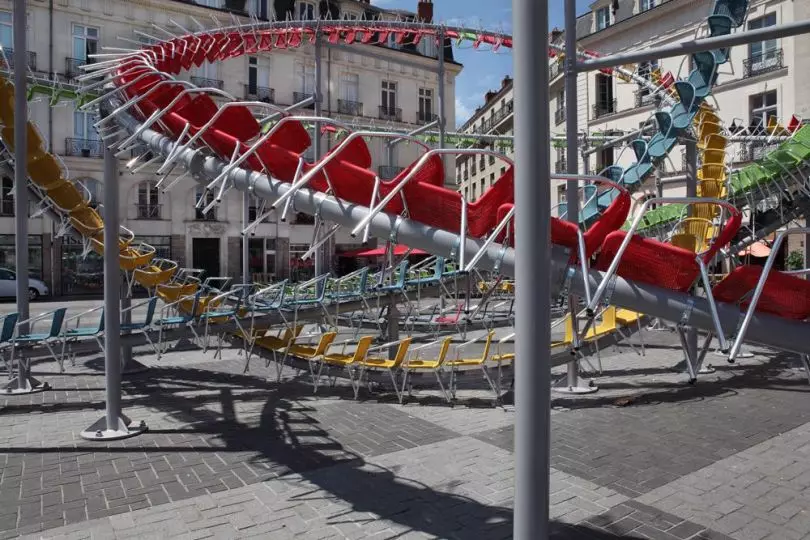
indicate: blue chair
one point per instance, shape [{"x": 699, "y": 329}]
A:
[
  {"x": 665, "y": 140},
  {"x": 720, "y": 25},
  {"x": 73, "y": 335},
  {"x": 640, "y": 150},
  {"x": 7, "y": 333},
  {"x": 308, "y": 294},
  {"x": 614, "y": 173},
  {"x": 702, "y": 77},
  {"x": 223, "y": 306},
  {"x": 635, "y": 174},
  {"x": 143, "y": 326},
  {"x": 181, "y": 319},
  {"x": 57, "y": 317},
  {"x": 735, "y": 10},
  {"x": 684, "y": 112}
]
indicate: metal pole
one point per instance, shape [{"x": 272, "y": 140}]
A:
[
  {"x": 572, "y": 384},
  {"x": 532, "y": 321},
  {"x": 319, "y": 255},
  {"x": 691, "y": 191},
  {"x": 440, "y": 73},
  {"x": 697, "y": 45},
  {"x": 114, "y": 425},
  {"x": 245, "y": 238}
]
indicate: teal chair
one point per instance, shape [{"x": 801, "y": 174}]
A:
[
  {"x": 46, "y": 339},
  {"x": 7, "y": 333},
  {"x": 74, "y": 335}
]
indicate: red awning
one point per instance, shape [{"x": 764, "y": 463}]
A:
[{"x": 399, "y": 250}]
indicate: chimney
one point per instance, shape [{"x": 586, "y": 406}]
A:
[
  {"x": 505, "y": 82},
  {"x": 489, "y": 95},
  {"x": 424, "y": 11}
]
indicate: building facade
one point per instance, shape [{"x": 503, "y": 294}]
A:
[{"x": 389, "y": 85}]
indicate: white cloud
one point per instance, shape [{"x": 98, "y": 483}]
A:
[{"x": 463, "y": 112}]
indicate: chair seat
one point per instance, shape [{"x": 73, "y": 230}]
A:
[
  {"x": 784, "y": 295},
  {"x": 650, "y": 261},
  {"x": 302, "y": 351},
  {"x": 172, "y": 320},
  {"x": 216, "y": 314},
  {"x": 132, "y": 326},
  {"x": 465, "y": 362},
  {"x": 339, "y": 359},
  {"x": 504, "y": 357},
  {"x": 82, "y": 332},
  {"x": 375, "y": 362},
  {"x": 272, "y": 343},
  {"x": 625, "y": 316},
  {"x": 422, "y": 364},
  {"x": 31, "y": 337}
]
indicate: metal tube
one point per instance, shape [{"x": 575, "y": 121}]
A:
[
  {"x": 691, "y": 191},
  {"x": 245, "y": 238},
  {"x": 319, "y": 255},
  {"x": 440, "y": 73},
  {"x": 21, "y": 169},
  {"x": 112, "y": 293},
  {"x": 532, "y": 323},
  {"x": 697, "y": 45}
]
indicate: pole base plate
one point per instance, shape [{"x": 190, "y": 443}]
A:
[
  {"x": 29, "y": 385},
  {"x": 575, "y": 390},
  {"x": 126, "y": 429},
  {"x": 706, "y": 370},
  {"x": 741, "y": 354}
]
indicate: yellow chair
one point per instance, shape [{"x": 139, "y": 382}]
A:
[
  {"x": 275, "y": 344},
  {"x": 713, "y": 189},
  {"x": 625, "y": 318},
  {"x": 66, "y": 196},
  {"x": 6, "y": 102},
  {"x": 713, "y": 142},
  {"x": 154, "y": 275},
  {"x": 712, "y": 171},
  {"x": 86, "y": 221},
  {"x": 349, "y": 362},
  {"x": 479, "y": 361},
  {"x": 307, "y": 352},
  {"x": 693, "y": 234},
  {"x": 774, "y": 127},
  {"x": 714, "y": 157},
  {"x": 46, "y": 172},
  {"x": 391, "y": 365},
  {"x": 706, "y": 211},
  {"x": 172, "y": 292},
  {"x": 415, "y": 365},
  {"x": 133, "y": 258}
]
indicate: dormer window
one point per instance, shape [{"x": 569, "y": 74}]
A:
[
  {"x": 602, "y": 18},
  {"x": 644, "y": 5}
]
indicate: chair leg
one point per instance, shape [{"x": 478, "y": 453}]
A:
[
  {"x": 447, "y": 396},
  {"x": 806, "y": 364},
  {"x": 393, "y": 376},
  {"x": 641, "y": 338}
]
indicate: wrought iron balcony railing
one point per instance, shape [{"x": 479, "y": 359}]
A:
[
  {"x": 763, "y": 63},
  {"x": 301, "y": 96},
  {"x": 555, "y": 69},
  {"x": 425, "y": 117},
  {"x": 391, "y": 113},
  {"x": 148, "y": 211},
  {"x": 604, "y": 109},
  {"x": 90, "y": 148},
  {"x": 73, "y": 67},
  {"x": 204, "y": 82},
  {"x": 643, "y": 98},
  {"x": 9, "y": 63},
  {"x": 210, "y": 216},
  {"x": 352, "y": 108},
  {"x": 559, "y": 116},
  {"x": 260, "y": 93},
  {"x": 387, "y": 172}
]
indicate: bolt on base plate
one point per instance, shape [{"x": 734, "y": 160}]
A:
[{"x": 126, "y": 429}]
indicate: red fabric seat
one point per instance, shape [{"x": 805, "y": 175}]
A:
[
  {"x": 784, "y": 295},
  {"x": 664, "y": 265},
  {"x": 237, "y": 121}
]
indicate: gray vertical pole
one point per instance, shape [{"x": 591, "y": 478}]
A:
[
  {"x": 319, "y": 255},
  {"x": 441, "y": 73},
  {"x": 20, "y": 160},
  {"x": 245, "y": 238},
  {"x": 691, "y": 191},
  {"x": 572, "y": 382},
  {"x": 114, "y": 425},
  {"x": 532, "y": 323}
]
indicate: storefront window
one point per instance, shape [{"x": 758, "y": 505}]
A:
[
  {"x": 81, "y": 275},
  {"x": 162, "y": 245},
  {"x": 7, "y": 251},
  {"x": 262, "y": 259},
  {"x": 301, "y": 270}
]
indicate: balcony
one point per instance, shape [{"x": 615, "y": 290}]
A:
[
  {"x": 425, "y": 117},
  {"x": 9, "y": 63},
  {"x": 606, "y": 108},
  {"x": 391, "y": 113},
  {"x": 298, "y": 97},
  {"x": 644, "y": 98},
  {"x": 559, "y": 167},
  {"x": 73, "y": 67},
  {"x": 210, "y": 216},
  {"x": 351, "y": 108},
  {"x": 260, "y": 93},
  {"x": 148, "y": 211},
  {"x": 387, "y": 172},
  {"x": 754, "y": 151},
  {"x": 555, "y": 69},
  {"x": 559, "y": 116},
  {"x": 763, "y": 63},
  {"x": 89, "y": 148},
  {"x": 7, "y": 206},
  {"x": 203, "y": 82}
]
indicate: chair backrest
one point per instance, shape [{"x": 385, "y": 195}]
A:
[
  {"x": 362, "y": 348},
  {"x": 438, "y": 270},
  {"x": 686, "y": 241},
  {"x": 609, "y": 317},
  {"x": 402, "y": 351},
  {"x": 150, "y": 311},
  {"x": 487, "y": 346},
  {"x": 324, "y": 342},
  {"x": 56, "y": 322},
  {"x": 403, "y": 273},
  {"x": 444, "y": 349},
  {"x": 664, "y": 120},
  {"x": 101, "y": 322},
  {"x": 9, "y": 323}
]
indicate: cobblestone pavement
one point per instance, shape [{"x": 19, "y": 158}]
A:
[{"x": 233, "y": 455}]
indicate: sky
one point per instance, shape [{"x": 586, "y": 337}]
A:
[{"x": 483, "y": 70}]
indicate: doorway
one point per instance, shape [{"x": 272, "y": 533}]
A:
[{"x": 205, "y": 256}]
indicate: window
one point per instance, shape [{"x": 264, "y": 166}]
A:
[
  {"x": 644, "y": 5},
  {"x": 94, "y": 188},
  {"x": 482, "y": 162},
  {"x": 763, "y": 108},
  {"x": 300, "y": 269},
  {"x": 85, "y": 42},
  {"x": 262, "y": 259},
  {"x": 604, "y": 95},
  {"x": 605, "y": 158},
  {"x": 305, "y": 78},
  {"x": 7, "y": 254},
  {"x": 162, "y": 245},
  {"x": 426, "y": 104},
  {"x": 207, "y": 70},
  {"x": 306, "y": 11},
  {"x": 83, "y": 126},
  {"x": 148, "y": 200},
  {"x": 427, "y": 47},
  {"x": 258, "y": 8},
  {"x": 6, "y": 30},
  {"x": 491, "y": 178},
  {"x": 561, "y": 100},
  {"x": 602, "y": 18},
  {"x": 503, "y": 171},
  {"x": 199, "y": 193},
  {"x": 645, "y": 69},
  {"x": 350, "y": 87},
  {"x": 388, "y": 97},
  {"x": 762, "y": 54},
  {"x": 6, "y": 196}
]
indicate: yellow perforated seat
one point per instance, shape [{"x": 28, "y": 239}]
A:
[
  {"x": 46, "y": 172},
  {"x": 66, "y": 196},
  {"x": 86, "y": 221}
]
